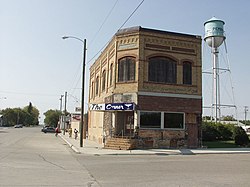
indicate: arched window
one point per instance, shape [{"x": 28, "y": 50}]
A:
[
  {"x": 97, "y": 86},
  {"x": 187, "y": 73},
  {"x": 103, "y": 80},
  {"x": 92, "y": 90},
  {"x": 162, "y": 70},
  {"x": 111, "y": 75},
  {"x": 126, "y": 69}
]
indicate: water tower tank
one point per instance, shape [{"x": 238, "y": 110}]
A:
[{"x": 214, "y": 32}]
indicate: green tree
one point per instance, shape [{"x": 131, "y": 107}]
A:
[
  {"x": 12, "y": 116},
  {"x": 27, "y": 116},
  {"x": 228, "y": 118},
  {"x": 52, "y": 117},
  {"x": 32, "y": 115}
]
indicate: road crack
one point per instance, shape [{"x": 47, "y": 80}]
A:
[{"x": 50, "y": 162}]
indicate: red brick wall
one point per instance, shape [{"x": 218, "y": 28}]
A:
[
  {"x": 171, "y": 104},
  {"x": 187, "y": 137},
  {"x": 192, "y": 135}
]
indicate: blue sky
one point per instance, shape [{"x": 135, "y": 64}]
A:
[{"x": 37, "y": 66}]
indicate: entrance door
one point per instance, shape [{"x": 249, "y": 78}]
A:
[
  {"x": 125, "y": 123},
  {"x": 129, "y": 123}
]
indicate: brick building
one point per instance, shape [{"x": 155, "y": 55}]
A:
[{"x": 146, "y": 86}]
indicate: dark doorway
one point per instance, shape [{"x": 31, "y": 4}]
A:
[{"x": 125, "y": 123}]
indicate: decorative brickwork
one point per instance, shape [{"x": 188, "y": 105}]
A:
[{"x": 147, "y": 93}]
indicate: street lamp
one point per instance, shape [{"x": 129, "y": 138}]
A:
[{"x": 82, "y": 130}]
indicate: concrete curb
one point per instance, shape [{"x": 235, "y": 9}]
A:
[
  {"x": 97, "y": 152},
  {"x": 220, "y": 152},
  {"x": 71, "y": 145}
]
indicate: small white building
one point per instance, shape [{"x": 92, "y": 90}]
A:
[{"x": 75, "y": 121}]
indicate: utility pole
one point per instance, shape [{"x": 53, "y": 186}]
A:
[
  {"x": 60, "y": 117},
  {"x": 83, "y": 125},
  {"x": 245, "y": 111},
  {"x": 64, "y": 117},
  {"x": 61, "y": 102}
]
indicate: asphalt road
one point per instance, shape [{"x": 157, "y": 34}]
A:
[
  {"x": 31, "y": 158},
  {"x": 174, "y": 170}
]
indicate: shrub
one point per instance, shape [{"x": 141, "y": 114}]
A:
[
  {"x": 240, "y": 136},
  {"x": 216, "y": 131},
  {"x": 209, "y": 132},
  {"x": 225, "y": 131}
]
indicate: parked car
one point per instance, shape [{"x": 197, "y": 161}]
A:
[
  {"x": 44, "y": 127},
  {"x": 48, "y": 129},
  {"x": 18, "y": 126}
]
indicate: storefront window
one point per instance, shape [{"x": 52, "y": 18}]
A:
[
  {"x": 174, "y": 120},
  {"x": 150, "y": 120}
]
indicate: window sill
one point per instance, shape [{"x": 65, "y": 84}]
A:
[
  {"x": 126, "y": 82},
  {"x": 170, "y": 129}
]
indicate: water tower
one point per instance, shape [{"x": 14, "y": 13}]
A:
[{"x": 214, "y": 37}]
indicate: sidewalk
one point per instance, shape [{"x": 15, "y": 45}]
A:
[{"x": 92, "y": 148}]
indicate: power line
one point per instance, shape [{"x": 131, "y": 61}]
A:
[
  {"x": 101, "y": 28},
  {"x": 131, "y": 14},
  {"x": 106, "y": 18},
  {"x": 118, "y": 29}
]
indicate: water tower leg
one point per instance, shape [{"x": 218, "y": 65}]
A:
[{"x": 216, "y": 89}]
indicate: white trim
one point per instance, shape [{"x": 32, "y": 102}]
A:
[
  {"x": 184, "y": 124},
  {"x": 170, "y": 95},
  {"x": 162, "y": 120}
]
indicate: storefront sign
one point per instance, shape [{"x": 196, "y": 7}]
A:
[
  {"x": 112, "y": 106},
  {"x": 119, "y": 106},
  {"x": 97, "y": 107}
]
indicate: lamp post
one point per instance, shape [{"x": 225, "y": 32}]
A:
[{"x": 82, "y": 130}]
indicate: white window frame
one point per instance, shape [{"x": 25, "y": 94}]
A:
[{"x": 162, "y": 120}]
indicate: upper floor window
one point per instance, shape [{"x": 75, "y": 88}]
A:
[
  {"x": 103, "y": 80},
  {"x": 97, "y": 86},
  {"x": 92, "y": 90},
  {"x": 126, "y": 69},
  {"x": 111, "y": 75},
  {"x": 162, "y": 70},
  {"x": 187, "y": 73}
]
